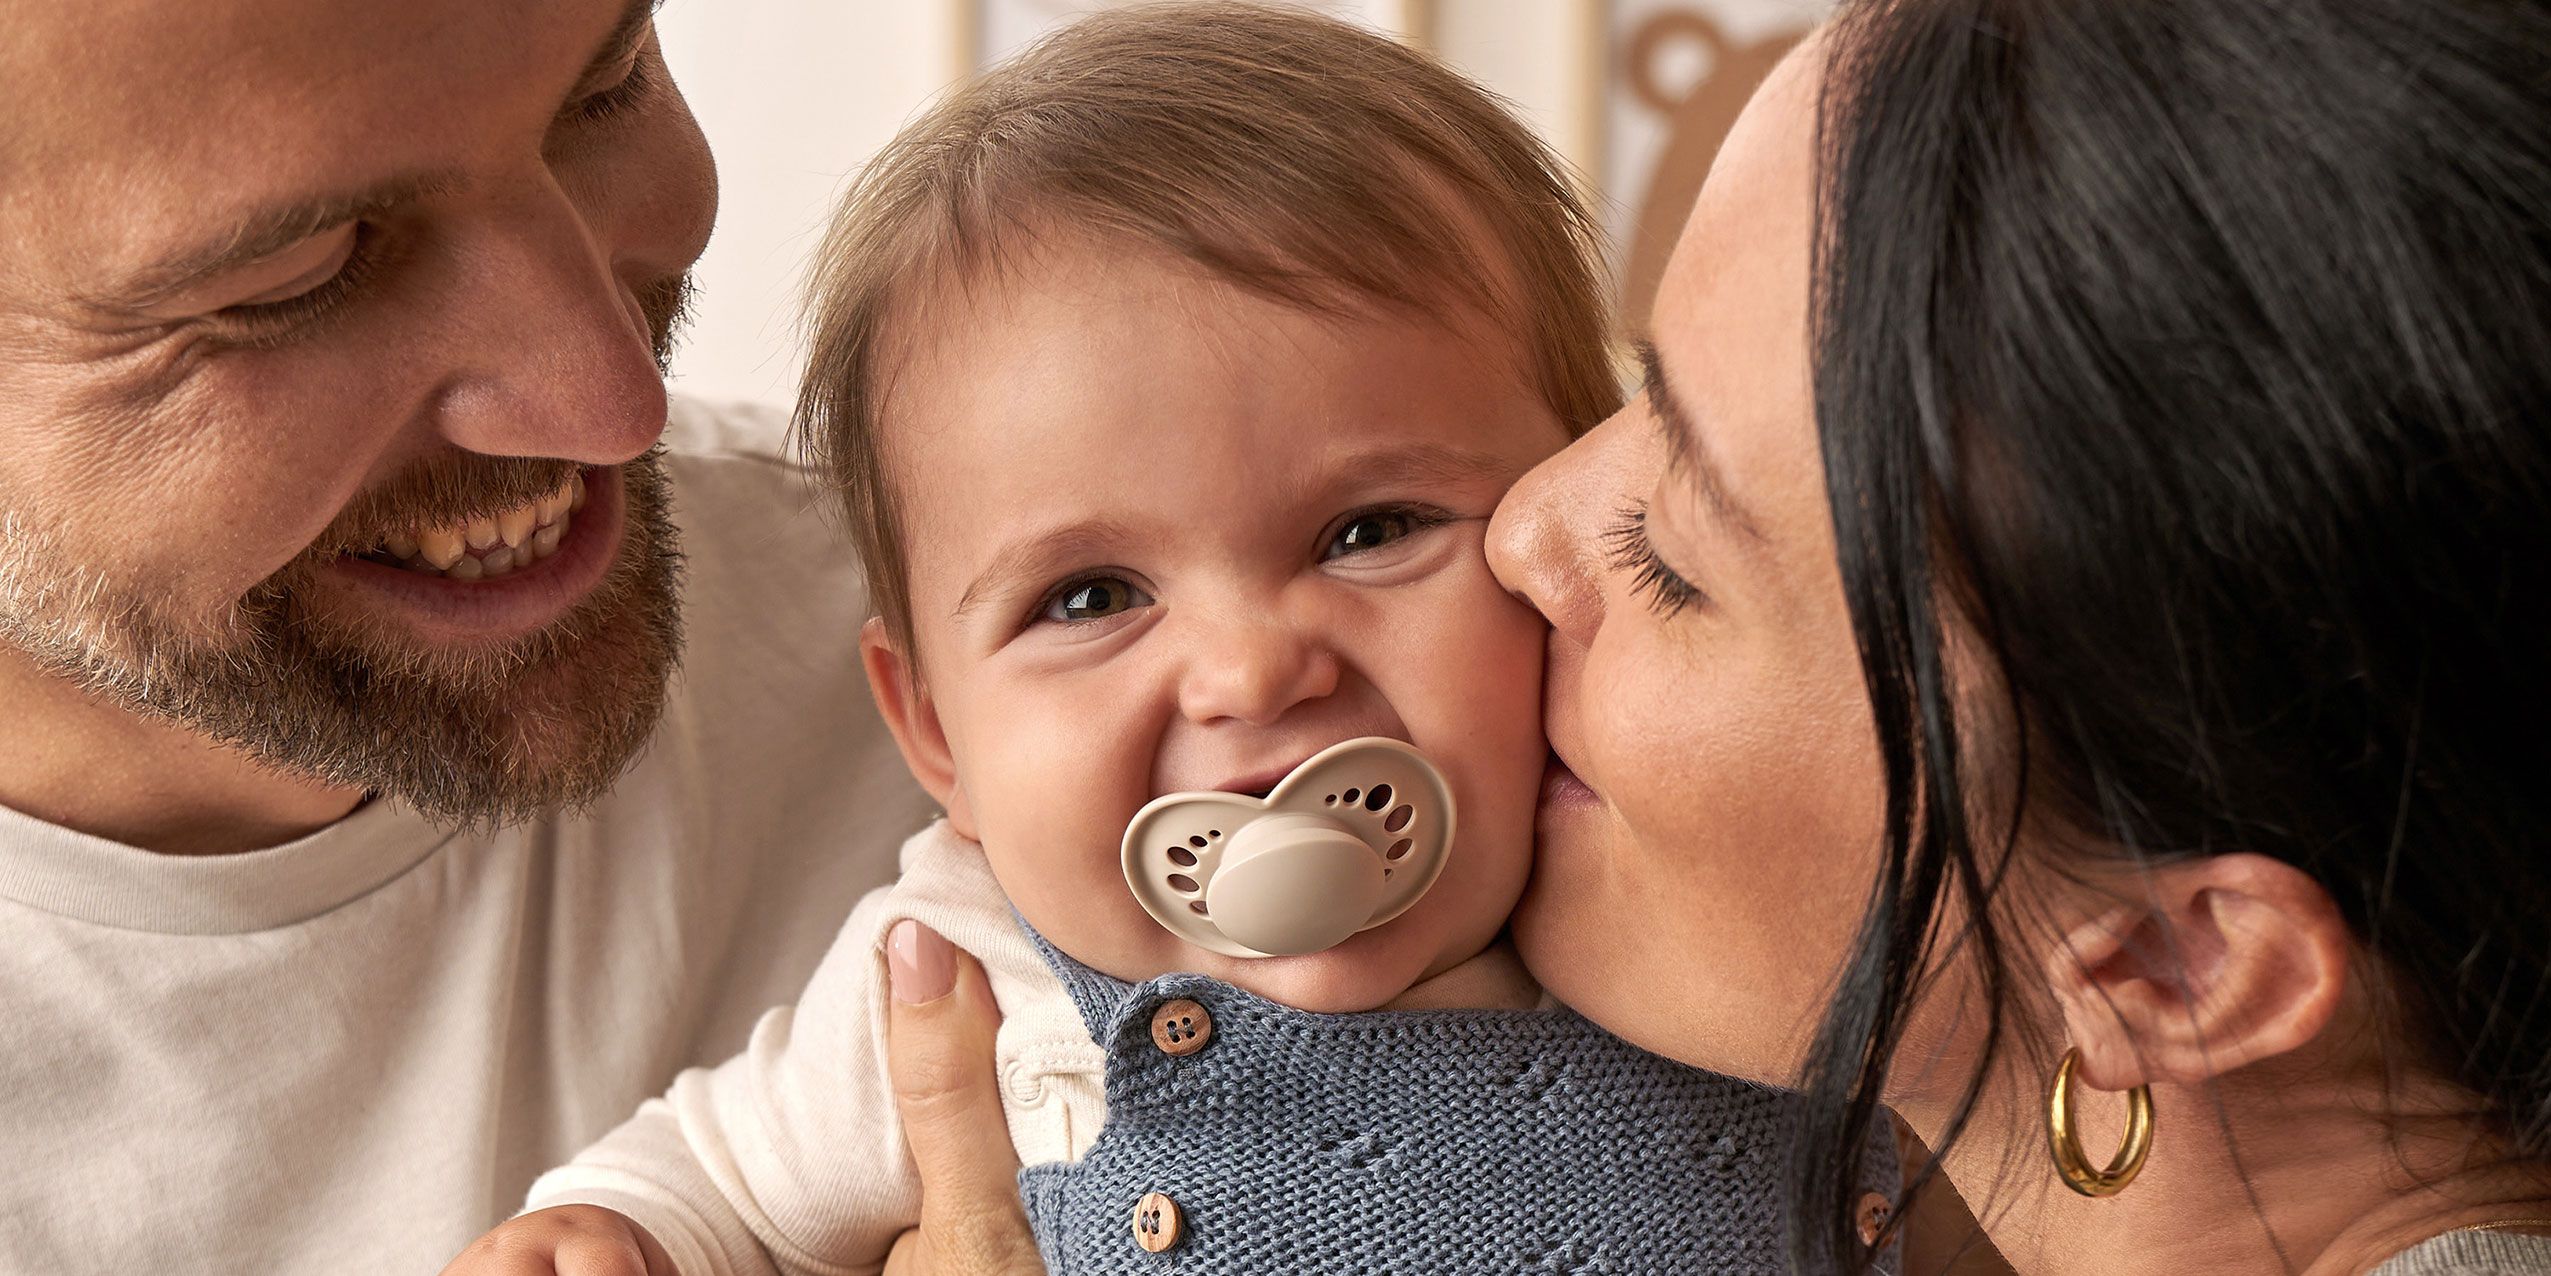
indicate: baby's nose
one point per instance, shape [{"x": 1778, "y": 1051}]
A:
[{"x": 1256, "y": 671}]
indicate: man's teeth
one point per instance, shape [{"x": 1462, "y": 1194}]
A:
[
  {"x": 484, "y": 548},
  {"x": 514, "y": 525},
  {"x": 440, "y": 547}
]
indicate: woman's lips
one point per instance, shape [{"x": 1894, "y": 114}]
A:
[{"x": 1560, "y": 787}]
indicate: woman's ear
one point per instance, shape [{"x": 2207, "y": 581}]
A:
[
  {"x": 914, "y": 721},
  {"x": 2231, "y": 959}
]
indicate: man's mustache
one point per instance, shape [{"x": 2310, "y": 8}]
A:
[
  {"x": 440, "y": 491},
  {"x": 456, "y": 487}
]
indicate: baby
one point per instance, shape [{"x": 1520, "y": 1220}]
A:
[{"x": 1170, "y": 374}]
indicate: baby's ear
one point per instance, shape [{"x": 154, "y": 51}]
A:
[{"x": 906, "y": 706}]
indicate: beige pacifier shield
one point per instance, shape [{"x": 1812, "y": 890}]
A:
[
  {"x": 1293, "y": 884},
  {"x": 1347, "y": 842}
]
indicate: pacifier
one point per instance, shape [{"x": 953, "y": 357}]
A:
[{"x": 1346, "y": 842}]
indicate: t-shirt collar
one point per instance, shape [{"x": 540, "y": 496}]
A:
[{"x": 72, "y": 874}]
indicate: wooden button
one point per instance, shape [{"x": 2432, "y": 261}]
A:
[
  {"x": 1872, "y": 1216},
  {"x": 1181, "y": 1027},
  {"x": 1156, "y": 1222}
]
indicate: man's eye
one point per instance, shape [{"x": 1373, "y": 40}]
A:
[
  {"x": 1095, "y": 599},
  {"x": 315, "y": 294},
  {"x": 1374, "y": 529}
]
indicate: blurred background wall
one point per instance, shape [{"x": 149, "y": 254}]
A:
[{"x": 794, "y": 94}]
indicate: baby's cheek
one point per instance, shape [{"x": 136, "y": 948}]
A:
[
  {"x": 1047, "y": 778},
  {"x": 1494, "y": 691},
  {"x": 1501, "y": 667}
]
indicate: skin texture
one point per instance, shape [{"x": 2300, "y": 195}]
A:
[
  {"x": 569, "y": 1240},
  {"x": 1705, "y": 859},
  {"x": 1220, "y": 444},
  {"x": 164, "y": 458}
]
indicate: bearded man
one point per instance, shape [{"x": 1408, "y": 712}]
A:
[{"x": 345, "y": 556}]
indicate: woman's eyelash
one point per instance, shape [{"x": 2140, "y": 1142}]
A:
[
  {"x": 1667, "y": 593},
  {"x": 632, "y": 89}
]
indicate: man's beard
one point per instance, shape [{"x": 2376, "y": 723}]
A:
[{"x": 484, "y": 737}]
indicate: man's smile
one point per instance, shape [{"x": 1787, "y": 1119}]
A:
[
  {"x": 488, "y": 547},
  {"x": 496, "y": 579}
]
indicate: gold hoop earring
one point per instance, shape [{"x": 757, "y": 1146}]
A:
[{"x": 2065, "y": 1142}]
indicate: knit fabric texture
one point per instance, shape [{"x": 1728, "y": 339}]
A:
[
  {"x": 2473, "y": 1254},
  {"x": 1411, "y": 1142}
]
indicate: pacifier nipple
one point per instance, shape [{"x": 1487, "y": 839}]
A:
[{"x": 1348, "y": 841}]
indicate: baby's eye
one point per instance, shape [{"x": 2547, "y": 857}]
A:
[
  {"x": 1094, "y": 599},
  {"x": 1374, "y": 529}
]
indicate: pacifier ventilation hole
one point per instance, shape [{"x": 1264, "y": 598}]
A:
[{"x": 1185, "y": 855}]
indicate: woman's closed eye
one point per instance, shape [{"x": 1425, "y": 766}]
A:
[
  {"x": 634, "y": 86},
  {"x": 1091, "y": 599},
  {"x": 1667, "y": 592}
]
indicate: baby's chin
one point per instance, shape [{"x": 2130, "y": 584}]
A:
[{"x": 1364, "y": 973}]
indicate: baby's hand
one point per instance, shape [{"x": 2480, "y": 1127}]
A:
[{"x": 568, "y": 1240}]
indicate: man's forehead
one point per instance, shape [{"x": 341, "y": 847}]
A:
[{"x": 129, "y": 122}]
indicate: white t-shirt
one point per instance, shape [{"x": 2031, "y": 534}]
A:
[
  {"x": 789, "y": 1157},
  {"x": 353, "y": 1053}
]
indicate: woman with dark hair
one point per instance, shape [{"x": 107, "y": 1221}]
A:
[
  {"x": 2061, "y": 649},
  {"x": 2062, "y": 639}
]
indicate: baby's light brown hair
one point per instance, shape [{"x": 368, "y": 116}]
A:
[{"x": 1293, "y": 155}]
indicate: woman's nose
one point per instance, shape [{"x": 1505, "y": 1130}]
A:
[
  {"x": 1545, "y": 543},
  {"x": 1255, "y": 671}
]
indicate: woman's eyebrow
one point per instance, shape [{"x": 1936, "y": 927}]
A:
[{"x": 1686, "y": 451}]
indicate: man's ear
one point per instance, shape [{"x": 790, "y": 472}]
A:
[
  {"x": 914, "y": 720},
  {"x": 2232, "y": 959}
]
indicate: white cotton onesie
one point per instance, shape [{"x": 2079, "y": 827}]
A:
[{"x": 789, "y": 1158}]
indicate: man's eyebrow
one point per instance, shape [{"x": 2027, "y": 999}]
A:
[
  {"x": 1686, "y": 451},
  {"x": 1032, "y": 557},
  {"x": 261, "y": 234}
]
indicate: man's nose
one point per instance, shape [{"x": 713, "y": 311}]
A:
[
  {"x": 550, "y": 351},
  {"x": 1254, "y": 669},
  {"x": 1545, "y": 542}
]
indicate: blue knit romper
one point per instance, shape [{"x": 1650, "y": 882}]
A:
[{"x": 1416, "y": 1142}]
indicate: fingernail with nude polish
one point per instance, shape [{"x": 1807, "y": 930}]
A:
[{"x": 920, "y": 966}]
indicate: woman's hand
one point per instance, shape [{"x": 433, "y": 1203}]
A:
[{"x": 940, "y": 1021}]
